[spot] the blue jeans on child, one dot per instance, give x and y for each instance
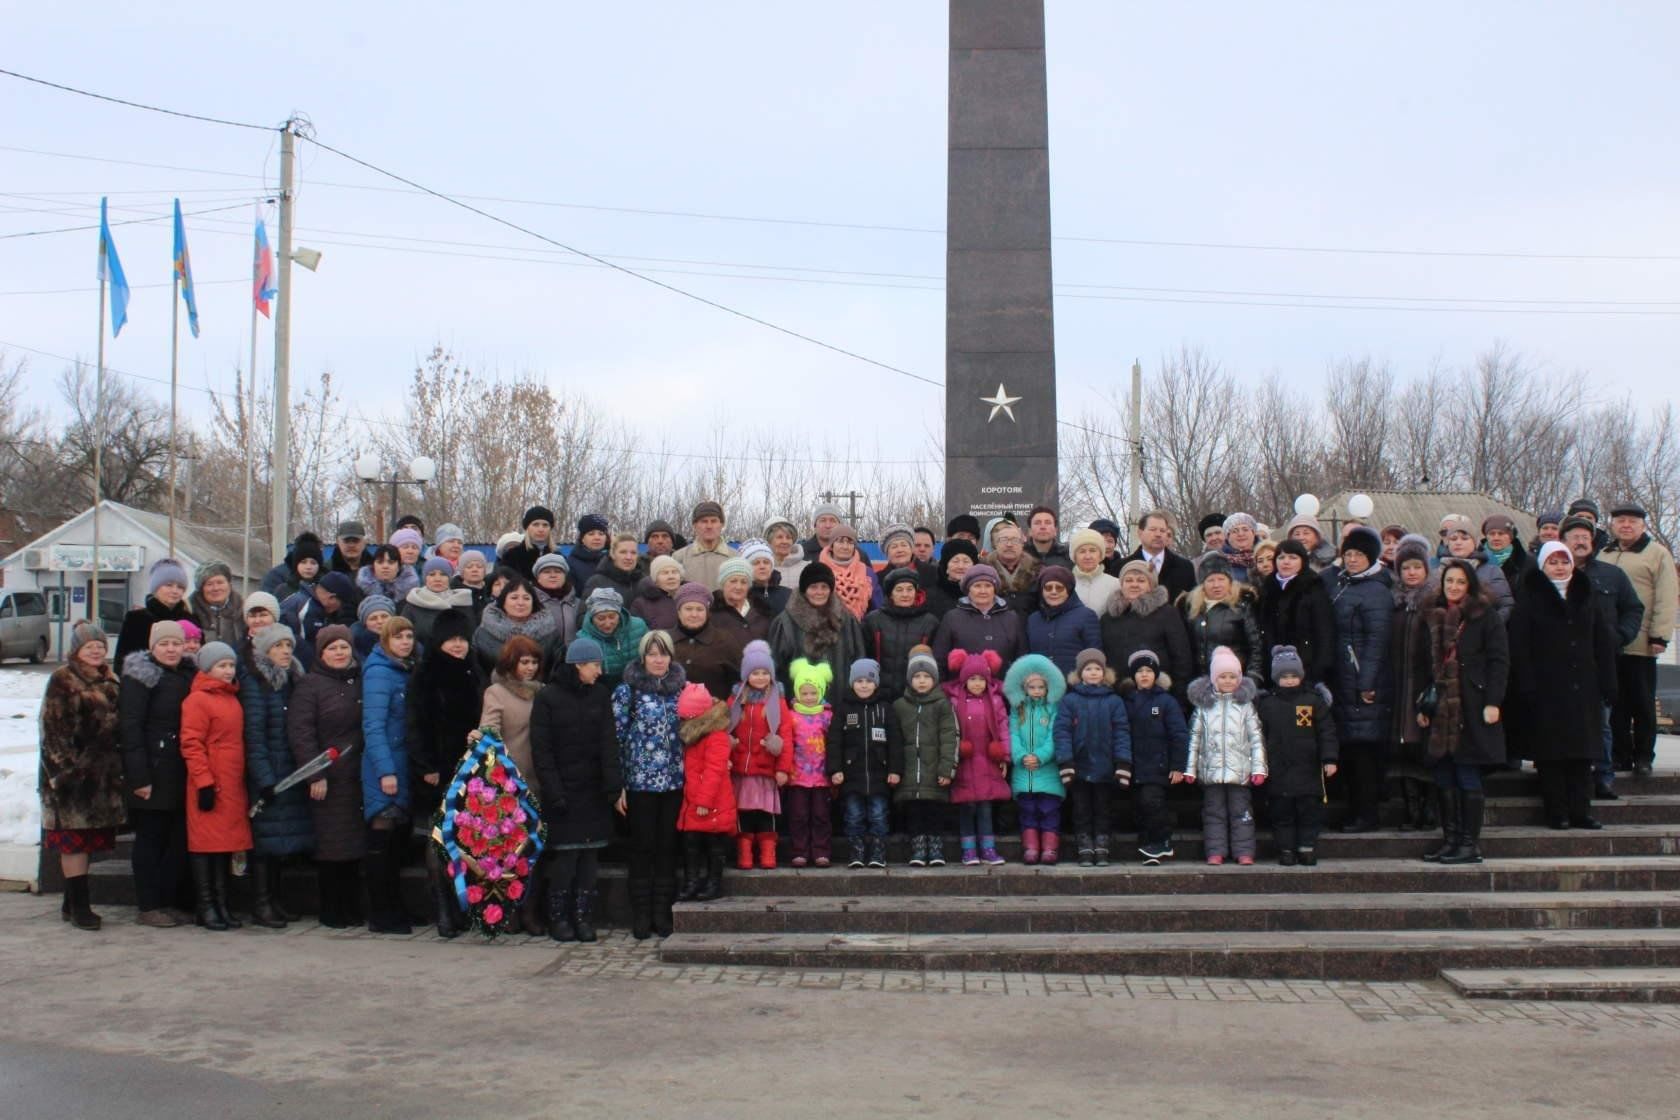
(974, 818)
(865, 815)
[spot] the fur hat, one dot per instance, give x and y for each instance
(327, 635)
(734, 566)
(584, 649)
(706, 508)
(437, 564)
(1106, 527)
(374, 603)
(864, 669)
(803, 672)
(307, 546)
(1363, 538)
(505, 542)
(408, 537)
(1411, 547)
(1212, 564)
(264, 601)
(450, 624)
(338, 584)
(654, 638)
(978, 573)
(1090, 657)
(1079, 538)
(755, 547)
(966, 663)
(603, 599)
(448, 531)
(537, 513)
(214, 654)
(83, 633)
(592, 523)
(692, 592)
(893, 532)
(956, 546)
(757, 656)
(1141, 566)
(962, 523)
(814, 573)
(1224, 661)
(897, 576)
(164, 630)
(922, 661)
(210, 569)
(1286, 662)
(659, 563)
(1144, 659)
(166, 570)
(270, 636)
(1211, 521)
(693, 700)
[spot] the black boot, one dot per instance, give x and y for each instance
(560, 926)
(220, 868)
(445, 904)
(1471, 805)
(693, 871)
(204, 895)
(1446, 800)
(664, 893)
(711, 888)
(857, 860)
(264, 880)
(583, 914)
(533, 916)
(80, 914)
(383, 869)
(877, 851)
(641, 909)
(1099, 850)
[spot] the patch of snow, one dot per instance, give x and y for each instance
(20, 748)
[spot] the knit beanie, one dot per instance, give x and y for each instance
(583, 650)
(1055, 573)
(339, 584)
(652, 639)
(1457, 523)
(603, 599)
(269, 637)
(448, 531)
(1411, 547)
(327, 635)
(755, 657)
(1286, 662)
(592, 523)
(1079, 538)
(865, 669)
(897, 576)
(83, 633)
(374, 603)
(551, 560)
(262, 600)
(692, 592)
(966, 663)
(1224, 661)
(754, 548)
(1144, 659)
(166, 570)
(210, 569)
(803, 672)
(978, 573)
(408, 537)
(893, 532)
(213, 654)
(734, 566)
(827, 509)
(1303, 520)
(536, 513)
(191, 630)
(472, 558)
(778, 521)
(922, 661)
(1585, 505)
(849, 532)
(1143, 567)
(1364, 539)
(1089, 657)
(814, 573)
(660, 564)
(1237, 519)
(658, 525)
(693, 700)
(437, 564)
(1545, 550)
(1549, 517)
(163, 631)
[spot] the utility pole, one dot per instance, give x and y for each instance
(1135, 438)
(280, 502)
(852, 498)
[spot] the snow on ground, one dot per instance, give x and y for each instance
(20, 747)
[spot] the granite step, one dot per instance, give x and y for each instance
(1599, 985)
(1334, 955)
(1110, 913)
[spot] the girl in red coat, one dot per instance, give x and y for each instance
(759, 763)
(213, 747)
(707, 820)
(982, 751)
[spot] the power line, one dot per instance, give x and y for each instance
(126, 221)
(137, 104)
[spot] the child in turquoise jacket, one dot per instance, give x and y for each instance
(1034, 689)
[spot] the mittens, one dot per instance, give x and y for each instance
(207, 799)
(997, 752)
(773, 745)
(1067, 775)
(965, 749)
(1123, 775)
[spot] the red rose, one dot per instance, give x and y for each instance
(475, 895)
(516, 890)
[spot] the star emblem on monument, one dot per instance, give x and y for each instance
(1001, 402)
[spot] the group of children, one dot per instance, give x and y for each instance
(1033, 736)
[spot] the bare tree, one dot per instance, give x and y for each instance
(1360, 406)
(1194, 435)
(134, 430)
(1290, 453)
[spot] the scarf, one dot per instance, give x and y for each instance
(1240, 559)
(819, 629)
(851, 582)
(1446, 726)
(770, 698)
(1500, 555)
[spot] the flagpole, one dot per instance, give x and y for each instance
(250, 418)
(98, 433)
(174, 377)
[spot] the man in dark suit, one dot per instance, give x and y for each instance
(1172, 571)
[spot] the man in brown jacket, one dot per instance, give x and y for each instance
(1650, 568)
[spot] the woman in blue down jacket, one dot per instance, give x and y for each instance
(1362, 596)
(385, 795)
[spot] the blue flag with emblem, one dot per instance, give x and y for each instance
(183, 271)
(110, 269)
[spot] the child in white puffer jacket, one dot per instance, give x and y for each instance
(1227, 755)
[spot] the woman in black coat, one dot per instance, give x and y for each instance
(575, 750)
(283, 828)
(1362, 597)
(1468, 665)
(956, 557)
(1139, 616)
(1295, 611)
(817, 627)
(166, 599)
(155, 683)
(326, 711)
(443, 707)
(1563, 669)
(1408, 664)
(1222, 612)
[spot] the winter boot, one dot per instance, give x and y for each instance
(693, 870)
(1308, 857)
(1099, 851)
(1029, 845)
(744, 851)
(988, 851)
(857, 847)
(918, 851)
(583, 914)
(1052, 849)
(444, 905)
(970, 857)
(560, 926)
(936, 850)
(80, 914)
(1446, 800)
(641, 909)
(877, 846)
(204, 893)
(664, 892)
(533, 916)
(264, 880)
(1087, 850)
(767, 850)
(1472, 804)
(711, 888)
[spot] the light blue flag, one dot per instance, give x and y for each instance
(110, 268)
(183, 270)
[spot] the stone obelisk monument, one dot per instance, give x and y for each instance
(1000, 351)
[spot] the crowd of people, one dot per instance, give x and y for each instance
(695, 700)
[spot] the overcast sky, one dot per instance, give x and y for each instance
(1495, 128)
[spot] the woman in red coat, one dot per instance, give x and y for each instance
(707, 820)
(213, 748)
